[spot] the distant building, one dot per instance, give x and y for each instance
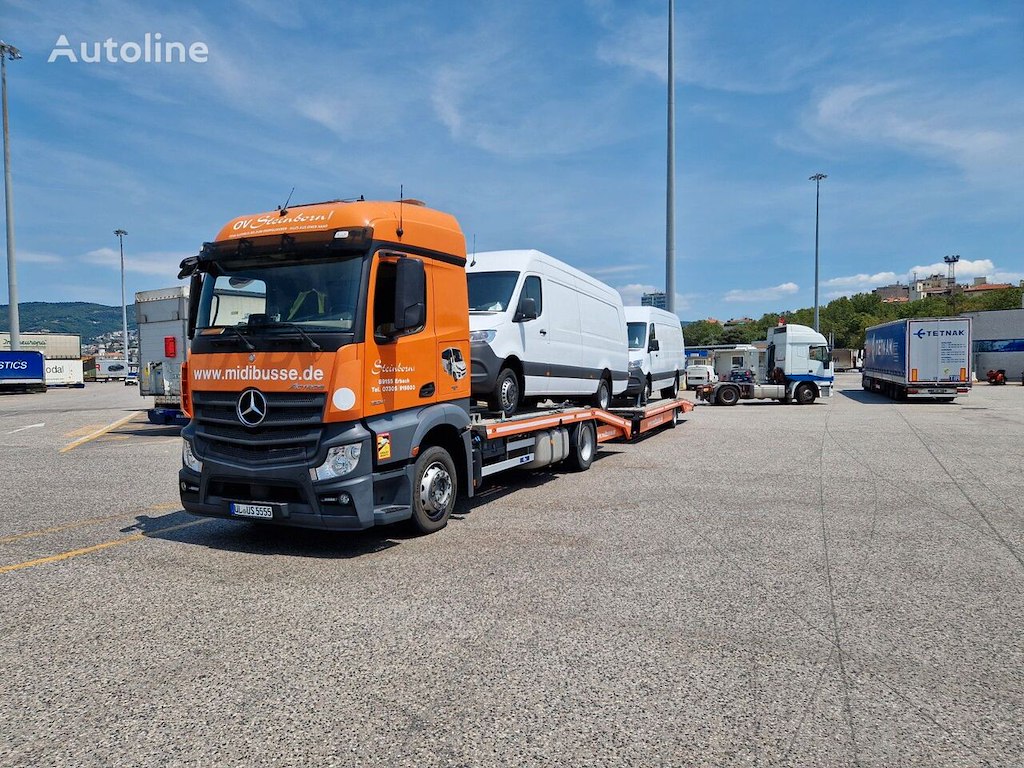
(739, 321)
(932, 285)
(982, 284)
(893, 293)
(656, 299)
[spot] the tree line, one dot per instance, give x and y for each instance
(847, 317)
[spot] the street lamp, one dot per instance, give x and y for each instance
(816, 178)
(8, 51)
(124, 307)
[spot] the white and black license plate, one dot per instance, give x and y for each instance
(261, 511)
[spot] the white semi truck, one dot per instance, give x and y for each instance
(162, 317)
(798, 369)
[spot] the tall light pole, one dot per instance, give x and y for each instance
(816, 178)
(124, 307)
(951, 278)
(670, 190)
(8, 51)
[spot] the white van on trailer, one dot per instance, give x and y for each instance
(657, 353)
(541, 329)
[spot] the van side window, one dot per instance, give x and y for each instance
(531, 290)
(650, 335)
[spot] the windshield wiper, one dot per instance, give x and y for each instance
(240, 335)
(295, 327)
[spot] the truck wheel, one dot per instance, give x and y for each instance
(805, 394)
(671, 393)
(435, 487)
(603, 397)
(728, 396)
(506, 393)
(582, 446)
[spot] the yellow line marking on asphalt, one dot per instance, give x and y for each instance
(97, 547)
(80, 524)
(100, 432)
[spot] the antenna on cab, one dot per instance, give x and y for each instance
(401, 196)
(283, 209)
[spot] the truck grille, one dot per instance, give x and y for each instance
(289, 433)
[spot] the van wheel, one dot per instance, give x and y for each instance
(582, 446)
(434, 490)
(645, 393)
(805, 394)
(603, 397)
(671, 393)
(506, 393)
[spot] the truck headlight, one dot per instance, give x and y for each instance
(188, 458)
(482, 337)
(341, 460)
(635, 365)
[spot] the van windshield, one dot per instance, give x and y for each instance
(491, 291)
(637, 335)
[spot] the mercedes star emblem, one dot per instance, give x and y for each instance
(251, 408)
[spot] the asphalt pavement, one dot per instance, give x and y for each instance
(766, 585)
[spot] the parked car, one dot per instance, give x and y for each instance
(540, 329)
(657, 355)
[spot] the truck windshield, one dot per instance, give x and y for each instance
(318, 296)
(637, 335)
(491, 291)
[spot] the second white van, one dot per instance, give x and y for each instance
(540, 329)
(657, 353)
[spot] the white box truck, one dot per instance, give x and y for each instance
(919, 358)
(162, 317)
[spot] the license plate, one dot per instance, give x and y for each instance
(263, 511)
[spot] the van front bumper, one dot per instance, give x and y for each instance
(484, 368)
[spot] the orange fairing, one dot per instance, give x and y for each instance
(420, 226)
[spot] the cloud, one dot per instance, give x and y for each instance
(617, 270)
(761, 294)
(38, 258)
(860, 281)
(161, 264)
(964, 268)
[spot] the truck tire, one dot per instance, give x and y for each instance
(582, 446)
(672, 392)
(805, 394)
(434, 491)
(728, 396)
(507, 394)
(603, 397)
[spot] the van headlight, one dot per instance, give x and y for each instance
(341, 460)
(635, 365)
(188, 458)
(482, 337)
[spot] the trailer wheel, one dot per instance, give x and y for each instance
(805, 394)
(728, 396)
(671, 393)
(506, 395)
(582, 446)
(434, 490)
(603, 397)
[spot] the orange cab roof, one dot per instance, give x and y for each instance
(421, 226)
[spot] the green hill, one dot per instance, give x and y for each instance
(86, 319)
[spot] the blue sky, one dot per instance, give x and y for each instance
(537, 124)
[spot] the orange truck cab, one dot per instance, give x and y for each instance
(327, 378)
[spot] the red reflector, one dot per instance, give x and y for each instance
(912, 391)
(963, 390)
(170, 346)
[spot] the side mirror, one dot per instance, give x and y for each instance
(410, 294)
(195, 292)
(527, 310)
(653, 345)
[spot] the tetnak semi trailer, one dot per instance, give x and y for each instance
(327, 381)
(920, 358)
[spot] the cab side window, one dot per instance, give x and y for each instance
(532, 290)
(384, 300)
(820, 354)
